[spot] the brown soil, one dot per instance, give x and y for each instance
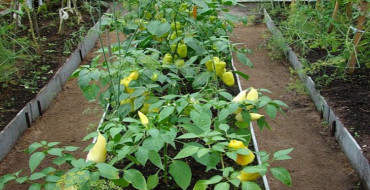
(318, 162)
(68, 120)
(36, 72)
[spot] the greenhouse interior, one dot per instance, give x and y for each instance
(184, 94)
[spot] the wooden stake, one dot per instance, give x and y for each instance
(360, 25)
(349, 9)
(334, 15)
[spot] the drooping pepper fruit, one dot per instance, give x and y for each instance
(212, 19)
(98, 152)
(175, 34)
(220, 68)
(242, 159)
(254, 116)
(134, 75)
(167, 59)
(126, 82)
(228, 78)
(209, 63)
(179, 63)
(252, 96)
(182, 50)
(176, 26)
(143, 118)
(245, 176)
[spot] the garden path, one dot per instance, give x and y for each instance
(68, 120)
(318, 162)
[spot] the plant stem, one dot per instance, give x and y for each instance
(165, 163)
(359, 33)
(31, 28)
(334, 16)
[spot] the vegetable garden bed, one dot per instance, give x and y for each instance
(171, 118)
(34, 108)
(348, 144)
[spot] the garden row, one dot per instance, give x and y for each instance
(171, 122)
(348, 144)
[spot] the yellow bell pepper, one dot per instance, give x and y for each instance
(182, 50)
(228, 78)
(167, 59)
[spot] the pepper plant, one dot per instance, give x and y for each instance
(169, 113)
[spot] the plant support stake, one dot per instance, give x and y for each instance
(360, 25)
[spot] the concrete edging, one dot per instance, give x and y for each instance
(33, 109)
(346, 141)
(254, 138)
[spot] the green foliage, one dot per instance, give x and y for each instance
(188, 115)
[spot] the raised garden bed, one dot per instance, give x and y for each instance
(176, 116)
(347, 142)
(34, 108)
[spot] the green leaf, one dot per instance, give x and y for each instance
(201, 120)
(245, 76)
(155, 158)
(243, 59)
(151, 143)
(282, 175)
(153, 26)
(222, 186)
(51, 144)
(187, 136)
(163, 29)
(200, 4)
(91, 92)
(35, 160)
(226, 95)
(224, 127)
(153, 181)
(201, 79)
(187, 151)
(248, 185)
(35, 186)
(107, 171)
(200, 185)
(37, 175)
(52, 178)
(136, 178)
(165, 112)
(115, 131)
(214, 179)
(223, 114)
(256, 169)
(55, 151)
(280, 103)
(6, 178)
(138, 102)
(21, 180)
(34, 146)
(202, 152)
(271, 110)
(282, 153)
(193, 45)
(181, 173)
(71, 148)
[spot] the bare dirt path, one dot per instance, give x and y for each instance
(68, 120)
(318, 162)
